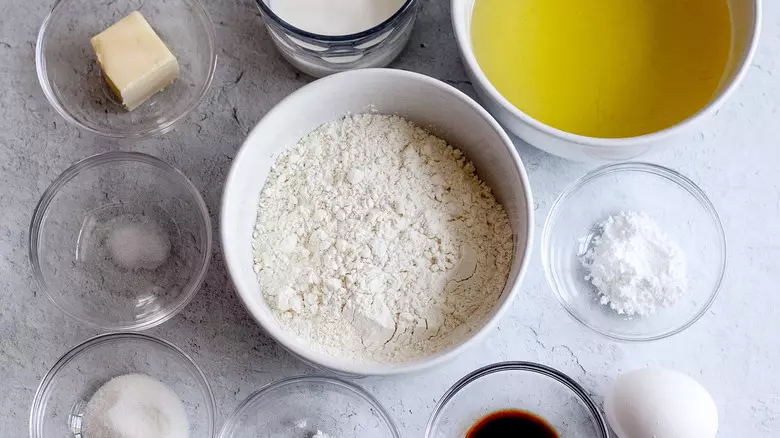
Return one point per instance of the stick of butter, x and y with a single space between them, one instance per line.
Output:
135 61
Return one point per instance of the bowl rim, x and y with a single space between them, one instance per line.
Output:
673 176
36 410
43 79
381 27
532 367
346 367
469 59
230 422
41 213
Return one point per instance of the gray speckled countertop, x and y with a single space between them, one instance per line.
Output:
734 350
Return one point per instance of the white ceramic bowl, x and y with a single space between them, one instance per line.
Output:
746 21
430 103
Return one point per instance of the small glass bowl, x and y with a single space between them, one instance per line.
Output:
681 210
538 389
300 406
59 404
74 84
321 55
71 232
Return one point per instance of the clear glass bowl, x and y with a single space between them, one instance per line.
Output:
74 83
59 404
321 55
681 210
74 224
525 386
298 407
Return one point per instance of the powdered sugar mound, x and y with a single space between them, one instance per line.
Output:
376 241
635 266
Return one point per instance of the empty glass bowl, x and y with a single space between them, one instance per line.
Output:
299 407
120 241
534 388
59 404
679 208
74 83
321 55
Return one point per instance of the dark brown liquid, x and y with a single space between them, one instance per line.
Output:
511 423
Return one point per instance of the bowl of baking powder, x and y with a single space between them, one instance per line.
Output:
377 222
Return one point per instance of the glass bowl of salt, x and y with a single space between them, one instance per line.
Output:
120 241
123 384
634 251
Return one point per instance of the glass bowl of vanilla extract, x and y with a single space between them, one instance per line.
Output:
516 399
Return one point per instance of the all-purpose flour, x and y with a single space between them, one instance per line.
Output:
376 241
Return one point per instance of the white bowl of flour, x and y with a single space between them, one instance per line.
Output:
377 222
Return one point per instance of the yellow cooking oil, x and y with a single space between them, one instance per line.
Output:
604 68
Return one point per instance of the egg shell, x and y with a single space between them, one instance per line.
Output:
660 403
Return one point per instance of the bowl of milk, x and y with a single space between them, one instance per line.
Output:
325 37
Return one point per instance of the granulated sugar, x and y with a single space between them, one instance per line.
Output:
135 406
376 241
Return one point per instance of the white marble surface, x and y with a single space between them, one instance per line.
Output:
734 350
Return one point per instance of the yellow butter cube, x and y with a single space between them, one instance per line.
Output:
134 60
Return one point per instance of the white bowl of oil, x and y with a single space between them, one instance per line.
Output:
605 80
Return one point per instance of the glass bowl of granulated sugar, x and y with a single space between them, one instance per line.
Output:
123 384
634 251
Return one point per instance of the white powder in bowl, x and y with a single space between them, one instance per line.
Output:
376 241
138 245
135 406
635 266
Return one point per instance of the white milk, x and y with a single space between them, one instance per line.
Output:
335 17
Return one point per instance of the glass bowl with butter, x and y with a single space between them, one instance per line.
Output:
125 68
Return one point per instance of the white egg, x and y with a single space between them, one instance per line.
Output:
660 403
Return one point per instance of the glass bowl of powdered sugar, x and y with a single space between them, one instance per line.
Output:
634 251
123 385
